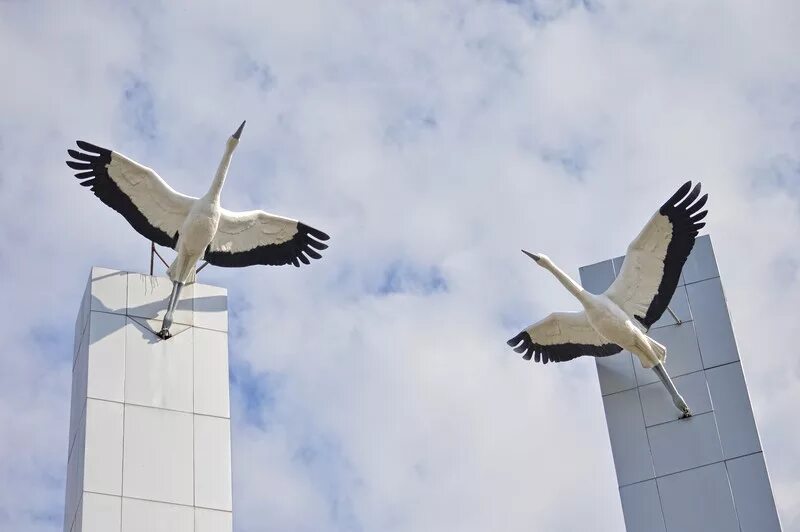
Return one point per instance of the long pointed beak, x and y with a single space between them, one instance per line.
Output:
531 255
239 131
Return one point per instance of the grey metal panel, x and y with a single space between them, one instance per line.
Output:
701 263
642 507
709 467
683 353
617 261
737 427
712 322
628 437
684 444
616 373
752 494
597 277
698 500
679 305
657 403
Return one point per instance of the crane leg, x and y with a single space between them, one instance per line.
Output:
677 400
164 334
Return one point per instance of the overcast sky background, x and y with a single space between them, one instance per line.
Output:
432 139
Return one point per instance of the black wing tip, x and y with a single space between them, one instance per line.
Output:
316 233
685 199
523 336
523 344
93 148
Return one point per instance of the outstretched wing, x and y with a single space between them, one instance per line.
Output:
653 263
149 204
562 336
257 237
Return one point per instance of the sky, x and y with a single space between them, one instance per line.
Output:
432 140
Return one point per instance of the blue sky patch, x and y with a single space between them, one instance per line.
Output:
402 277
139 109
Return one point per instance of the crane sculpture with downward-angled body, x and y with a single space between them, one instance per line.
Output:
197 228
619 318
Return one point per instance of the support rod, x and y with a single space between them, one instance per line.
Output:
674 316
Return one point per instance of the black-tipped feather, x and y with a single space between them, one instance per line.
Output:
522 343
681 210
293 251
94 174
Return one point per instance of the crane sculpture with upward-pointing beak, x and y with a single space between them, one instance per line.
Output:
197 228
619 318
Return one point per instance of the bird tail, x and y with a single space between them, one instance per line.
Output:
659 350
182 271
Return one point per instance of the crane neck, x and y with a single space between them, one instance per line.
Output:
222 171
574 288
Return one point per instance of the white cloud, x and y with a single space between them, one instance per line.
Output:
440 136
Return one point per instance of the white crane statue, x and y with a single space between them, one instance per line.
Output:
197 228
619 318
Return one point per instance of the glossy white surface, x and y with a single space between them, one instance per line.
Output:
106 357
149 516
109 290
211 388
212 462
158 373
210 307
618 267
103 453
132 427
212 521
100 513
148 297
158 455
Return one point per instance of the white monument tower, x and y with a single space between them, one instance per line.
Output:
149 439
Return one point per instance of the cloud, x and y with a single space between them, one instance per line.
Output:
432 140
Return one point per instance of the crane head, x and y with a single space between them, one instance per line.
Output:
540 258
238 132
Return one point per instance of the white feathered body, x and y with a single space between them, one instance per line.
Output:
616 326
196 233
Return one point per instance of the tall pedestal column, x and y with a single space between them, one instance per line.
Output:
149 440
704 473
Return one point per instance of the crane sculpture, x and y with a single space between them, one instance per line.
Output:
197 228
619 318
